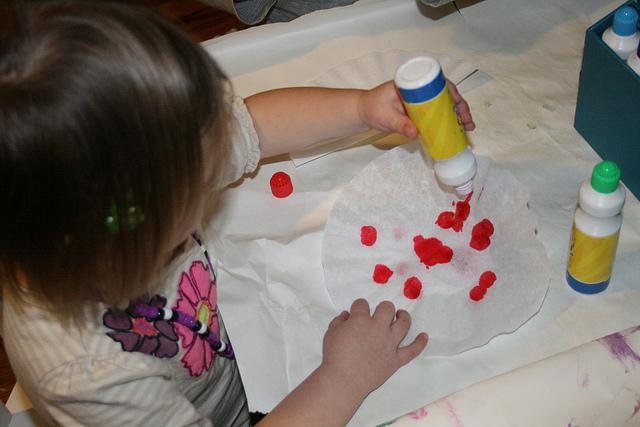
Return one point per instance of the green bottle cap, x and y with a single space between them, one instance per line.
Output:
605 177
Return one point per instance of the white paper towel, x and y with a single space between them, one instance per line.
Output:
398 194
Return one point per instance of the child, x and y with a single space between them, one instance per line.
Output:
114 129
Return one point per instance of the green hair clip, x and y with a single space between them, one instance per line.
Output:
132 218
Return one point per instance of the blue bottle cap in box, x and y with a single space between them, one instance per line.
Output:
625 21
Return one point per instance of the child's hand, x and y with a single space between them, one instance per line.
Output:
364 349
462 108
382 108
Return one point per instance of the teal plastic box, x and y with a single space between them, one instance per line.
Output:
608 106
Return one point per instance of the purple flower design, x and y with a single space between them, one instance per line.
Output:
157 338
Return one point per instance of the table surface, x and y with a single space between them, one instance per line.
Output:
523 100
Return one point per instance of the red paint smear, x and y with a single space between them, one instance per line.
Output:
635 409
381 274
368 235
455 220
397 233
480 235
455 417
412 287
477 293
402 268
487 279
431 251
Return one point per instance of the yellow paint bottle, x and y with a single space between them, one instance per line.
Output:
596 228
430 107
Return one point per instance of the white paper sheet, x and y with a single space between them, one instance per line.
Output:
271 285
398 195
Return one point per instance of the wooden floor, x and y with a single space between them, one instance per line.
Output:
203 23
197 19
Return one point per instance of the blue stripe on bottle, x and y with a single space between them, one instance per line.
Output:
424 93
586 288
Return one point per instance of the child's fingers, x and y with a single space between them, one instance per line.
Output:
408 353
400 326
400 123
360 307
385 312
453 90
339 319
464 112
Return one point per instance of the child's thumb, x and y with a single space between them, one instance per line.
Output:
406 127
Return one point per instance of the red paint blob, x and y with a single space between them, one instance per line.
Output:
412 287
480 243
381 274
281 185
431 251
457 224
455 220
487 279
445 219
477 293
484 227
462 210
368 235
480 235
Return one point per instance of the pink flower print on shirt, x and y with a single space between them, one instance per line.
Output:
156 338
197 297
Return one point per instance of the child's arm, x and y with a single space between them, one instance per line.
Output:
291 119
360 352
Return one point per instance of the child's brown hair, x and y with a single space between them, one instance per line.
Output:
108 115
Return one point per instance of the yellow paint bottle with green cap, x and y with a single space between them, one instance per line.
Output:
596 228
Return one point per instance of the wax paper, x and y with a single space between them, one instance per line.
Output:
398 194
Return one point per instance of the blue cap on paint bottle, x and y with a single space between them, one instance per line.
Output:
625 21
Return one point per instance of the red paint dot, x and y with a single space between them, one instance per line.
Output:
484 227
281 185
445 219
477 293
480 235
480 243
381 274
412 287
431 251
487 279
368 235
